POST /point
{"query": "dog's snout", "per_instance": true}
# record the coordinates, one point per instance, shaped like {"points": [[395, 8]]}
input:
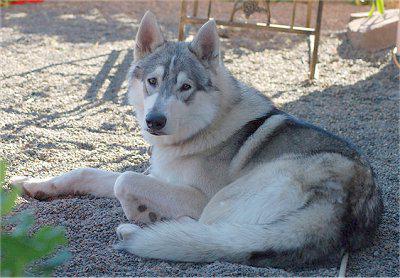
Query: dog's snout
{"points": [[155, 120]]}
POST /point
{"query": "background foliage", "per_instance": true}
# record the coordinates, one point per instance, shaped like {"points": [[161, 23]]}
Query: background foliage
{"points": [[19, 248]]}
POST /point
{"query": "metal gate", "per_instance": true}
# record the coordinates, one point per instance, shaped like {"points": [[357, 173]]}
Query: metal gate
{"points": [[251, 6]]}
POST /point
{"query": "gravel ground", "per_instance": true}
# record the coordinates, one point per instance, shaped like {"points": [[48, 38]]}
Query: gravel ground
{"points": [[62, 105]]}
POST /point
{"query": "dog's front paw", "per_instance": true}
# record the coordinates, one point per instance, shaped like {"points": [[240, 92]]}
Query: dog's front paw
{"points": [[126, 231], [30, 186], [18, 181]]}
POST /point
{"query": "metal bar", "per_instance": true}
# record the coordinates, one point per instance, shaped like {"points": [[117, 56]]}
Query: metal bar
{"points": [[195, 7], [314, 59], [234, 10], [271, 27], [293, 14], [268, 9], [209, 9], [182, 21], [309, 13]]}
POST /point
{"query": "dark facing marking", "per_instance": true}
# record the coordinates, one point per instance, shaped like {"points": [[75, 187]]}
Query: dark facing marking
{"points": [[137, 72], [142, 208], [251, 127], [184, 61], [146, 92], [298, 137], [153, 217]]}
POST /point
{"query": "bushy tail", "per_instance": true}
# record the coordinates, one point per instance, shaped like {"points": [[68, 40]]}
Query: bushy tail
{"points": [[364, 211], [196, 242]]}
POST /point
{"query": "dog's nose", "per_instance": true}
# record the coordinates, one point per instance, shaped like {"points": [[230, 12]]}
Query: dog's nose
{"points": [[155, 120]]}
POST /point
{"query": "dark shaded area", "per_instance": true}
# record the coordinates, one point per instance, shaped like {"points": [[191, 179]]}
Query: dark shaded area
{"points": [[102, 75], [120, 76]]}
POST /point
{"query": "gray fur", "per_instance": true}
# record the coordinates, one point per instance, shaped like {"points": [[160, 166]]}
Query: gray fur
{"points": [[183, 60]]}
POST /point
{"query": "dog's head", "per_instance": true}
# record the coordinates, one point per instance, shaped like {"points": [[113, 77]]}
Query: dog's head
{"points": [[172, 84]]}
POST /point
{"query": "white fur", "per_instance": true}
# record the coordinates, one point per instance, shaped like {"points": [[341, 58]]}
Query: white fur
{"points": [[236, 220]]}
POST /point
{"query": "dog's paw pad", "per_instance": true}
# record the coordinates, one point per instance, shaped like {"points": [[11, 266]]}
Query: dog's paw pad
{"points": [[126, 231], [142, 208], [152, 217]]}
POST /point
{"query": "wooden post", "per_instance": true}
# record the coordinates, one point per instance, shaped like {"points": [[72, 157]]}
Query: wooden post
{"points": [[209, 9], [309, 13], [293, 14], [182, 21], [312, 33], [314, 58], [195, 7]]}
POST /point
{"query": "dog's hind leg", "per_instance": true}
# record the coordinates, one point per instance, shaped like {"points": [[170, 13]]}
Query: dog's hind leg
{"points": [[146, 199], [81, 181]]}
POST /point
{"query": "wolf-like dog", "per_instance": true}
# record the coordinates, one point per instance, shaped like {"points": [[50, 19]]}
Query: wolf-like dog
{"points": [[232, 177]]}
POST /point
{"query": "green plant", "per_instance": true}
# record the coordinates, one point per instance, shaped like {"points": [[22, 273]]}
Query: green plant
{"points": [[19, 248], [377, 5]]}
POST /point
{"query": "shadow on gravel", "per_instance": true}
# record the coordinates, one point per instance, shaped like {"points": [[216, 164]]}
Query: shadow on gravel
{"points": [[111, 93], [364, 103], [72, 23], [102, 22], [41, 119], [96, 22], [38, 70]]}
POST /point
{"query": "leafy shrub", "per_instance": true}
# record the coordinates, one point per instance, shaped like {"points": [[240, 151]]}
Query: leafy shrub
{"points": [[19, 248], [376, 5]]}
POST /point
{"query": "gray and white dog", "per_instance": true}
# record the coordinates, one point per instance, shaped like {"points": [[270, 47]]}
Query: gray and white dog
{"points": [[232, 177]]}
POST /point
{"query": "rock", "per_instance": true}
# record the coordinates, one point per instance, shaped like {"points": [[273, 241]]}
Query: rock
{"points": [[374, 33], [360, 15]]}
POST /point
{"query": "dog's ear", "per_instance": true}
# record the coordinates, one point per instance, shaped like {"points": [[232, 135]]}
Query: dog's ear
{"points": [[148, 37], [205, 44]]}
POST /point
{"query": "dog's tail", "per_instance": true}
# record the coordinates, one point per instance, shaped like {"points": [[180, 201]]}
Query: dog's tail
{"points": [[196, 242]]}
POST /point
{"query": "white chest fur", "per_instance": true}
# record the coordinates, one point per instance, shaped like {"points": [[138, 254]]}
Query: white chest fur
{"points": [[205, 174]]}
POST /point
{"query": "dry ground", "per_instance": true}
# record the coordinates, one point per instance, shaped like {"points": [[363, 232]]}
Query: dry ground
{"points": [[62, 106]]}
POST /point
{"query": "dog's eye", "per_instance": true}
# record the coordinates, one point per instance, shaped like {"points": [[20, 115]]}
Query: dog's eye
{"points": [[185, 87], [152, 81]]}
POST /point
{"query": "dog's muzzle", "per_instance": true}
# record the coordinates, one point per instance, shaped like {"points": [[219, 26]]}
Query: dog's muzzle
{"points": [[155, 122]]}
